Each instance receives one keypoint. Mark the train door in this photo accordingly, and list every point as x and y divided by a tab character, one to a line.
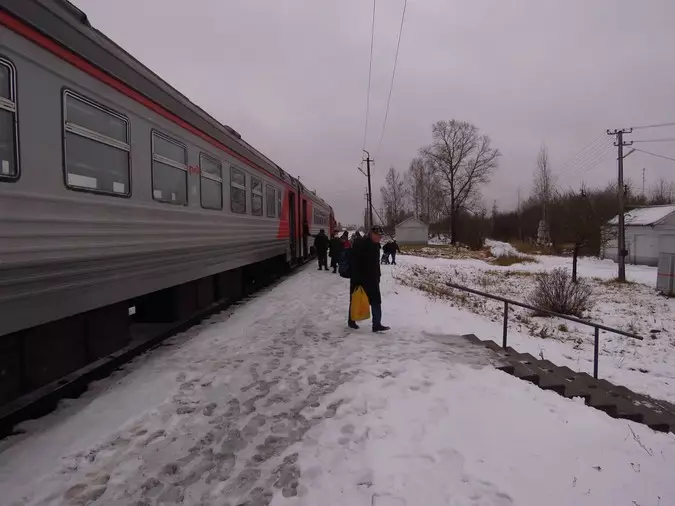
292	226
305	230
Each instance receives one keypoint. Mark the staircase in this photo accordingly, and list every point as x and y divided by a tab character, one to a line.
616	401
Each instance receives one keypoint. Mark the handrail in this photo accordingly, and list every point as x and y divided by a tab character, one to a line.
596	326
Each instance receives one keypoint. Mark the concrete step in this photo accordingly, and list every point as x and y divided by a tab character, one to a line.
553	381
527	373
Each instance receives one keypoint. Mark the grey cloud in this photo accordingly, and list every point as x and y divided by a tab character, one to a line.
290	75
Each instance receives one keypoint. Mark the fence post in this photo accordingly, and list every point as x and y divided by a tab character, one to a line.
595	352
506	323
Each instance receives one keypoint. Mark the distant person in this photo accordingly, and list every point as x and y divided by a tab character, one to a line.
335	251
366	273
321	244
393	249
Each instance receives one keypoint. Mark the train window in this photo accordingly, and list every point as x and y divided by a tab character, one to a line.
169	170
97	153
279	204
271	201
256	197
237	190
211	182
9	167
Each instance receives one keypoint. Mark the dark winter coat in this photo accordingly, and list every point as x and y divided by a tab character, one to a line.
335	248
321	243
366	262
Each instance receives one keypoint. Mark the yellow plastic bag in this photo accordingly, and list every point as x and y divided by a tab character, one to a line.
360	305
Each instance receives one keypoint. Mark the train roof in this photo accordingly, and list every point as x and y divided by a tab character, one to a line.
68	25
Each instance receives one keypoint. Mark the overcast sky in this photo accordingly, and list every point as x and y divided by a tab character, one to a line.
291	77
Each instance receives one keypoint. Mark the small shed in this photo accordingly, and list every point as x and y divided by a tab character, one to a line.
412	231
650	231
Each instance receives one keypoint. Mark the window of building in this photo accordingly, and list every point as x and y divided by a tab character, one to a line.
271	201
256	197
96	147
9	165
169	170
210	182
237	190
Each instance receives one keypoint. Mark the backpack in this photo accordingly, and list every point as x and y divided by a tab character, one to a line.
345	263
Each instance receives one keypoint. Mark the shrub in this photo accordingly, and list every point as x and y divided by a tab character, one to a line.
556	292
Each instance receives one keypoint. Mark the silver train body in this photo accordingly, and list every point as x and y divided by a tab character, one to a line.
113	184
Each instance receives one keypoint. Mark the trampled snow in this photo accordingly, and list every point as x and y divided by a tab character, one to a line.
278	402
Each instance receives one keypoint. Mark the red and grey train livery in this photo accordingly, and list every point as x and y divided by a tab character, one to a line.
114	187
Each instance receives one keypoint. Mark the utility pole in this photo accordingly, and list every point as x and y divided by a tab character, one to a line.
643	182
370	190
619	143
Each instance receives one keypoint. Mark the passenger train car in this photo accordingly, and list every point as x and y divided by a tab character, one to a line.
114	188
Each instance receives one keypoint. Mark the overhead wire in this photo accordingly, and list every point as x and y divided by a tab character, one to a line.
658	125
393	75
655	140
655	154
370	74
584	155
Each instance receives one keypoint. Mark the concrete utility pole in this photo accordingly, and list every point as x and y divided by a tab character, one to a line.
370	190
643	182
619	143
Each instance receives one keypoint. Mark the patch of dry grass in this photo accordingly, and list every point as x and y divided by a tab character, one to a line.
441	251
532	249
508	260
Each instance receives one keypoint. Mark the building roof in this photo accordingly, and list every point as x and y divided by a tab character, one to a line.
645	216
411	219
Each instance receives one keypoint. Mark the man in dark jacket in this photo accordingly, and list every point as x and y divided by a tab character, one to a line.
366	273
321	246
393	249
334	251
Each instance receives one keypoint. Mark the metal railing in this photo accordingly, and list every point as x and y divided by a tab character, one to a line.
539	310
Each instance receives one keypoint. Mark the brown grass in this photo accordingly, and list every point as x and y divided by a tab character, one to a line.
532	249
508	260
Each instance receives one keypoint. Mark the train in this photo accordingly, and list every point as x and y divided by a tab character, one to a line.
118	192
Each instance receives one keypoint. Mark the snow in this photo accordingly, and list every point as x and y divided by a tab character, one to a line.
278	402
502	249
647	366
644	216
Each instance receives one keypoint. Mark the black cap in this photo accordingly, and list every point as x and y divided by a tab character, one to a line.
377	229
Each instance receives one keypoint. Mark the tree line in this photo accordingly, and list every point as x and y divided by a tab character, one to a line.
443	183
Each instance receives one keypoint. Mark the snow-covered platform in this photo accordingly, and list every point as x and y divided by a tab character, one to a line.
277	402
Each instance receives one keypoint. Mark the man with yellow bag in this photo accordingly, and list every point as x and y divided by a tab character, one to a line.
365	281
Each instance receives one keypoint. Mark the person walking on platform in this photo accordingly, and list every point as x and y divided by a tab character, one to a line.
334	251
321	243
366	273
393	249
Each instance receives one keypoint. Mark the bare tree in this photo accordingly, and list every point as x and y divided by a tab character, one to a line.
463	161
424	192
662	192
543	191
393	196
544	181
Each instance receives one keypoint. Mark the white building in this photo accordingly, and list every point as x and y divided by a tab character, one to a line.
412	231
649	232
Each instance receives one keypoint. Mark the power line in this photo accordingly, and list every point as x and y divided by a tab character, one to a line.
589	153
656	140
655	154
370	73
393	75
584	153
659	125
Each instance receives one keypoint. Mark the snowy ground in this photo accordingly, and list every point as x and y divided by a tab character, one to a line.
647	366
277	402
